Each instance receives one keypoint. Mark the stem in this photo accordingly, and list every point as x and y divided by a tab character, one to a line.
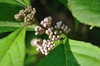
35	22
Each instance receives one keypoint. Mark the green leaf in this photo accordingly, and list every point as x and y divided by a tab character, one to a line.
12	26
16	2
86	11
12	49
85	53
72	53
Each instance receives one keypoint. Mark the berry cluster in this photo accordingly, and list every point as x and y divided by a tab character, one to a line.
39	30
27	15
46	22
62	27
53	32
44	46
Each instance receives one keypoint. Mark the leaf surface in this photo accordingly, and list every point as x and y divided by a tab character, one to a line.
86	11
12	26
72	53
16	2
12	49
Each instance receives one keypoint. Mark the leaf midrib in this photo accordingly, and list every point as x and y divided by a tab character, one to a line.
65	49
65	58
22	3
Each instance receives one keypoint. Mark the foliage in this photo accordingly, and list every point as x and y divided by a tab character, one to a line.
10	45
86	11
68	52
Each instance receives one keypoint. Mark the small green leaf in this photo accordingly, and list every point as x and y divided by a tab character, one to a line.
91	27
16	2
76	24
86	11
12	49
72	53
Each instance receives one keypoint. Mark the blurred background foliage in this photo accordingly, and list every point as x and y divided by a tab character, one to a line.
59	11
